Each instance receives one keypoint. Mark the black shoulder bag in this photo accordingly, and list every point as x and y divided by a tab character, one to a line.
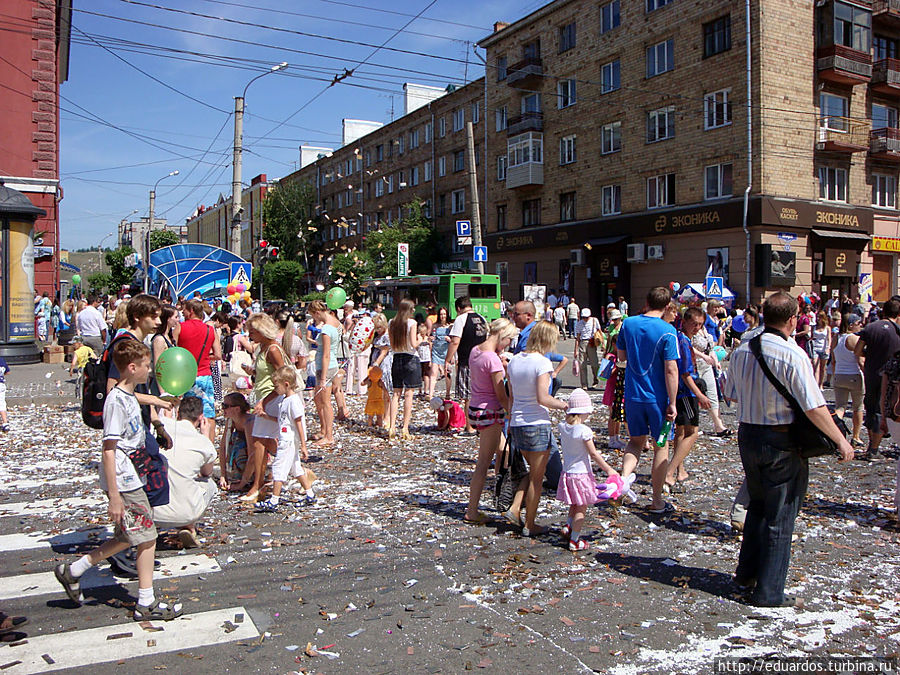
809	440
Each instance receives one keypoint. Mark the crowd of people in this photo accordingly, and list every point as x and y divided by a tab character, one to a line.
497	380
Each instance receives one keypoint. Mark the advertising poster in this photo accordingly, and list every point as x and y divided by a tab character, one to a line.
21	282
782	266
717	263
537	293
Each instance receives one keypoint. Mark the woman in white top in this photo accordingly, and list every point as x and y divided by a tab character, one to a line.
406	371
848	378
821	346
529	427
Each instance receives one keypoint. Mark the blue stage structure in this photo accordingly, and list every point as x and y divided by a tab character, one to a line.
183	269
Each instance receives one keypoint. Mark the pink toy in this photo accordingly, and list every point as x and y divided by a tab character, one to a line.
616	488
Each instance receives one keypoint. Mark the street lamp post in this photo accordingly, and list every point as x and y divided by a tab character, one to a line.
145	240
236	207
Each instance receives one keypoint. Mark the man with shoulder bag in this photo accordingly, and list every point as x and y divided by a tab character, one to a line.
783	421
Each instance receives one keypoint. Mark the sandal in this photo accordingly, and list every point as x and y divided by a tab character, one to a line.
725	433
158	611
666	508
512	518
537	531
188	538
11	623
70	584
267	506
580	545
480	519
565	531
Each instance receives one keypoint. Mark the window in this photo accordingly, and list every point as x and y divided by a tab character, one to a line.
500	117
609	16
716	109
459	119
401	179
531	50
717	36
531	103
566	37
442	127
442	204
661	124
501	217
400	145
414	176
656	4
413	139
442	166
476	116
609	77
884	190
459	160
531	212
368	156
390	182
884	48
660	58
501	167
458	201
661	191
565	93
477	151
426	209
833	110
567	207
501	68
832	184
429	132
611	138
852	27
718	181
567	149
611	197
883	117
525	148
427	170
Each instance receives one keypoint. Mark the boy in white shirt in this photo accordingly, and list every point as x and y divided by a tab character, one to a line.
291	429
124	451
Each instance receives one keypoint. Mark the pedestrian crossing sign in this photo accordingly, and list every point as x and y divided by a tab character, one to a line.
241	273
714	287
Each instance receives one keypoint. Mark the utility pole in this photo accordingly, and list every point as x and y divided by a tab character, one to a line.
145	236
473	188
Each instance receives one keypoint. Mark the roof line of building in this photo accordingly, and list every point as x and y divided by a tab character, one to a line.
539	13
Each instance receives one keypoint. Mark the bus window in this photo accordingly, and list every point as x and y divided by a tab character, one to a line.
476	290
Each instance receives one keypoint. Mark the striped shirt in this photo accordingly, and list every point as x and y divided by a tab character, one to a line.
758	401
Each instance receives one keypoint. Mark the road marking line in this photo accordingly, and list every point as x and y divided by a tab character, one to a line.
43	583
31	540
21	484
90	646
43	507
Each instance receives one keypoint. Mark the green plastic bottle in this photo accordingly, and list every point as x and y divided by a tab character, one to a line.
664	433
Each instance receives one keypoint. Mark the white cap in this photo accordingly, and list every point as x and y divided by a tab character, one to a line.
586	312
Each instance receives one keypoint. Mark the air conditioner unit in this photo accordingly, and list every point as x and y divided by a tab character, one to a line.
576	256
635	253
655	252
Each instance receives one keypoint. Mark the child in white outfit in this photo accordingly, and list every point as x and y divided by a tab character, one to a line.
291	429
577	486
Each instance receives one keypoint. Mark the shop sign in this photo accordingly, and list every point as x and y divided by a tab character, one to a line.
839	263
814	214
888	244
605	265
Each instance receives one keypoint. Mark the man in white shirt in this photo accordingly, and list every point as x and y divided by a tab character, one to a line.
585	350
91	325
623	306
572	310
191	461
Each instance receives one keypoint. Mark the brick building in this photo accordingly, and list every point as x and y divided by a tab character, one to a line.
34	61
212	224
619	142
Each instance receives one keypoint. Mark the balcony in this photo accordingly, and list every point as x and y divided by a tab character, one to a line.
884	144
842	134
525	73
886	77
886	13
525	175
843	65
527	121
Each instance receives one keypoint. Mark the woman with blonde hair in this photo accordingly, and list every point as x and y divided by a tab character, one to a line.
120	321
263	331
529	428
488	404
406	372
328	342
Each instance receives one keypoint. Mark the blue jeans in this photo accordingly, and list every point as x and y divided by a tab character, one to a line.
777	478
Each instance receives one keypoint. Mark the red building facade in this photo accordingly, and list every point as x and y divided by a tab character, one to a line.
34	61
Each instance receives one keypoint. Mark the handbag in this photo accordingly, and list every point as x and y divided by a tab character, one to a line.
809	440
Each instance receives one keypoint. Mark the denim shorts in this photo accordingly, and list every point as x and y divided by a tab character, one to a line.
533	438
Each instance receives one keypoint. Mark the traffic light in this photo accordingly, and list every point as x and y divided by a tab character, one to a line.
272	253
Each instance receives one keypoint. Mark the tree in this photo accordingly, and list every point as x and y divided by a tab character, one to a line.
351	269
99	282
282	279
162	238
289	214
119	273
414	229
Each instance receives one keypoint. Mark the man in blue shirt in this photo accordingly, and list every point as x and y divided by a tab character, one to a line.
650	347
523	317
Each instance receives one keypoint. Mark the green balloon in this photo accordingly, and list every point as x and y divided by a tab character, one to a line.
76	278
176	370
335	298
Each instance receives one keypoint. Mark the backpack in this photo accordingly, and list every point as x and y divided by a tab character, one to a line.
93	392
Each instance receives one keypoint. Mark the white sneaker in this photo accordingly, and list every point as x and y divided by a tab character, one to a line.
616	443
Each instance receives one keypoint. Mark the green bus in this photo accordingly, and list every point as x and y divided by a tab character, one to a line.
440	289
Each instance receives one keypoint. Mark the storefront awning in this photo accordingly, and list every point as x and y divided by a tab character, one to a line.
835	234
590	243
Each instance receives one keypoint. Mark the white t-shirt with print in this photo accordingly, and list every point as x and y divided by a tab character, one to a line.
523	371
290	408
122	423
585	328
572	437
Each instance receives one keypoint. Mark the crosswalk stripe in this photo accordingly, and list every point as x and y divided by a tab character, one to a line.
20	484
43	507
31	540
89	646
42	583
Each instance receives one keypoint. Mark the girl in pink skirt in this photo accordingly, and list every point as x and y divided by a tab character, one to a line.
577	486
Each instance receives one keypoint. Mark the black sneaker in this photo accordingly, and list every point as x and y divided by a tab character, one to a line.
125	562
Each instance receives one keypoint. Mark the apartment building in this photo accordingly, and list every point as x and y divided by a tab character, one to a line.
212	224
367	183
618	146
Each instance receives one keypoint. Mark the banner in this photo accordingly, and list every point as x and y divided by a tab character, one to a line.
21	282
865	288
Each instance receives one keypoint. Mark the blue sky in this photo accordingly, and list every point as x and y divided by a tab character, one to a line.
139	67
